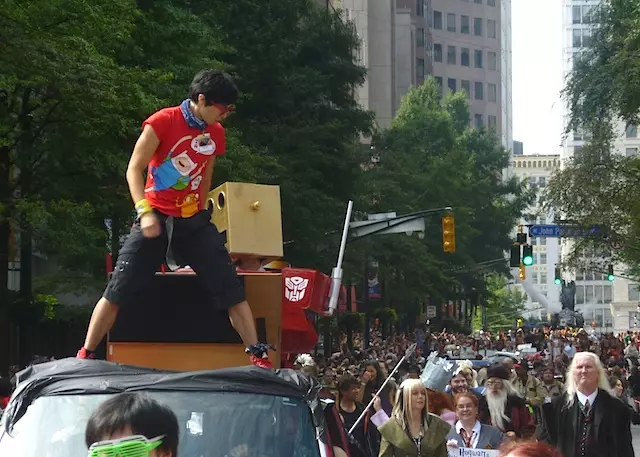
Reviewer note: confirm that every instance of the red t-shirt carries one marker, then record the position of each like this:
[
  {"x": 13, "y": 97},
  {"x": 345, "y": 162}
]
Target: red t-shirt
[{"x": 176, "y": 168}]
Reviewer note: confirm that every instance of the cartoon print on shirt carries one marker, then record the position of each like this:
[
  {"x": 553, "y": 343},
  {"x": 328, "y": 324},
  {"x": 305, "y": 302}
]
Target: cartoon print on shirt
[
  {"x": 204, "y": 144},
  {"x": 173, "y": 173},
  {"x": 189, "y": 206}
]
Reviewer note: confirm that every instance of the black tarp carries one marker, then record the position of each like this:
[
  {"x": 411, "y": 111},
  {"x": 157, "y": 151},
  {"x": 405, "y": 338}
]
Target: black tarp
[{"x": 77, "y": 377}]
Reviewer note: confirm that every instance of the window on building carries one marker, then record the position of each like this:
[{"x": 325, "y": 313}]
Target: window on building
[
  {"x": 465, "y": 85},
  {"x": 579, "y": 295},
  {"x": 631, "y": 152},
  {"x": 437, "y": 52},
  {"x": 608, "y": 318},
  {"x": 420, "y": 8},
  {"x": 542, "y": 181},
  {"x": 479, "y": 91},
  {"x": 607, "y": 293},
  {"x": 534, "y": 278},
  {"x": 576, "y": 14},
  {"x": 493, "y": 122},
  {"x": 634, "y": 293},
  {"x": 492, "y": 57},
  {"x": 420, "y": 69},
  {"x": 451, "y": 22},
  {"x": 632, "y": 131},
  {"x": 493, "y": 92},
  {"x": 543, "y": 241},
  {"x": 464, "y": 57},
  {"x": 479, "y": 120},
  {"x": 420, "y": 37},
  {"x": 543, "y": 278},
  {"x": 477, "y": 58},
  {"x": 451, "y": 55},
  {"x": 491, "y": 28},
  {"x": 464, "y": 25},
  {"x": 451, "y": 84},
  {"x": 477, "y": 26},
  {"x": 543, "y": 258},
  {"x": 477, "y": 1},
  {"x": 437, "y": 20},
  {"x": 491, "y": 2},
  {"x": 576, "y": 151}
]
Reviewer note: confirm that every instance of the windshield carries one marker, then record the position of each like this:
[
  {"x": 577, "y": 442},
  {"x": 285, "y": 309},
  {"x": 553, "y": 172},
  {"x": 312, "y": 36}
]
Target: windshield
[{"x": 212, "y": 424}]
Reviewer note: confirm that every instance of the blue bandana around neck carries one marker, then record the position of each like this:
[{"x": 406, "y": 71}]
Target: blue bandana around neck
[{"x": 190, "y": 118}]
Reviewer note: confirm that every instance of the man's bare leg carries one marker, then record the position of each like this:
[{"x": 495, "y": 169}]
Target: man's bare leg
[
  {"x": 103, "y": 317},
  {"x": 242, "y": 320}
]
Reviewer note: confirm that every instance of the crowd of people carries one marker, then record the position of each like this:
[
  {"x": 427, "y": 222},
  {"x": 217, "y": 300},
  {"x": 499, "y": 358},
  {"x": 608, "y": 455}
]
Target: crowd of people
[{"x": 537, "y": 386}]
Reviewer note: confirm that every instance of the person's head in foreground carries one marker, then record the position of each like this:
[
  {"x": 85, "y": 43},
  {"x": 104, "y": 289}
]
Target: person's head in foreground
[
  {"x": 529, "y": 449},
  {"x": 132, "y": 425}
]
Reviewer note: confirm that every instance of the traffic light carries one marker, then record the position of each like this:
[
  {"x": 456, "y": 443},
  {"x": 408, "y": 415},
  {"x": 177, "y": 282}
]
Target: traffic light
[
  {"x": 527, "y": 255},
  {"x": 610, "y": 275},
  {"x": 514, "y": 260},
  {"x": 558, "y": 278},
  {"x": 448, "y": 234},
  {"x": 523, "y": 272},
  {"x": 521, "y": 238}
]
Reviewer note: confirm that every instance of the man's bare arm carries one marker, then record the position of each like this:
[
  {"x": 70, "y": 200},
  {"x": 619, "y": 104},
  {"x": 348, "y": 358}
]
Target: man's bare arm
[{"x": 143, "y": 151}]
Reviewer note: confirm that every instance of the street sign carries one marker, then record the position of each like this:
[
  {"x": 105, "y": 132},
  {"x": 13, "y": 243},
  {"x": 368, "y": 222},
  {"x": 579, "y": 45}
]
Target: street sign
[
  {"x": 564, "y": 231},
  {"x": 431, "y": 311}
]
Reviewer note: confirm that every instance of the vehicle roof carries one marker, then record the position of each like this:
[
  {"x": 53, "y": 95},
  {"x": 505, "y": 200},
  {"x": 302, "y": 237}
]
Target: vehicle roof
[{"x": 73, "y": 376}]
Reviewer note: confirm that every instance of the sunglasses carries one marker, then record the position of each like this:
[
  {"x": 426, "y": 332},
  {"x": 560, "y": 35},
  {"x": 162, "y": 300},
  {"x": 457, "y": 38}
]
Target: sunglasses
[
  {"x": 130, "y": 446},
  {"x": 225, "y": 110}
]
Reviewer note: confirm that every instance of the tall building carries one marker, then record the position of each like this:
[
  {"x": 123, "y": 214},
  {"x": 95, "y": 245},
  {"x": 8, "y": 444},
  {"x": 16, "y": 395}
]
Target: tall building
[
  {"x": 464, "y": 44},
  {"x": 543, "y": 295},
  {"x": 472, "y": 52},
  {"x": 611, "y": 306}
]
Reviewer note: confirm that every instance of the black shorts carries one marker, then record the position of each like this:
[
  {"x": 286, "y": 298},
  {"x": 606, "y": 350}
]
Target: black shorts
[{"x": 195, "y": 242}]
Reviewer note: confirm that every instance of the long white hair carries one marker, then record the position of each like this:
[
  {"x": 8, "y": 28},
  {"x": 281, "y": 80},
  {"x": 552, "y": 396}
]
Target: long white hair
[{"x": 571, "y": 386}]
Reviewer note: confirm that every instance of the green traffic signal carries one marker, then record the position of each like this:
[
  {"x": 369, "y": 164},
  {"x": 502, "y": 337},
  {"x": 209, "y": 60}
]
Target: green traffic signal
[
  {"x": 527, "y": 255},
  {"x": 557, "y": 281},
  {"x": 610, "y": 275},
  {"x": 558, "y": 278}
]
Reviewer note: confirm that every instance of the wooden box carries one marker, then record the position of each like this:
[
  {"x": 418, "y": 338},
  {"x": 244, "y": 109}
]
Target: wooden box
[
  {"x": 175, "y": 326},
  {"x": 249, "y": 215}
]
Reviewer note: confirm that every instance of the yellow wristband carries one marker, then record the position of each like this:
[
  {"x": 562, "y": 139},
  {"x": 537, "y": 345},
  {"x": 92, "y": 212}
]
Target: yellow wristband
[{"x": 143, "y": 207}]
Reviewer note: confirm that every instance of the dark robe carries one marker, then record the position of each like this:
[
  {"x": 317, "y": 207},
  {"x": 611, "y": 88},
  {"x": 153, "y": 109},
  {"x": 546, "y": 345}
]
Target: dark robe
[{"x": 611, "y": 426}]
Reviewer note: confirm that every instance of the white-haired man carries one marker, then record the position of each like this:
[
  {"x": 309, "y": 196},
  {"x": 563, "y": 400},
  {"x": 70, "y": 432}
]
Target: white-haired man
[
  {"x": 588, "y": 421},
  {"x": 502, "y": 407}
]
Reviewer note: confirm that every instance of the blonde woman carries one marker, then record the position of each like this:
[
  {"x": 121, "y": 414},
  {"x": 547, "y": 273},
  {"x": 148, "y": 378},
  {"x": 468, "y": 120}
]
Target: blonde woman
[{"x": 412, "y": 430}]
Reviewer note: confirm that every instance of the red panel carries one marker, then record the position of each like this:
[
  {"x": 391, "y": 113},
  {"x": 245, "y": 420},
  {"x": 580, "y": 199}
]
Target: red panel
[
  {"x": 298, "y": 333},
  {"x": 307, "y": 289}
]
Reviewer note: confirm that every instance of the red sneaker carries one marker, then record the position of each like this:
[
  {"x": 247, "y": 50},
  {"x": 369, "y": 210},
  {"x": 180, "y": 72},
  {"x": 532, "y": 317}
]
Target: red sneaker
[
  {"x": 262, "y": 362},
  {"x": 85, "y": 354}
]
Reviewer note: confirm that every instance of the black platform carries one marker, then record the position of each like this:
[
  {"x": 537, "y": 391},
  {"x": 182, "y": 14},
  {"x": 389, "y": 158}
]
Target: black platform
[{"x": 176, "y": 309}]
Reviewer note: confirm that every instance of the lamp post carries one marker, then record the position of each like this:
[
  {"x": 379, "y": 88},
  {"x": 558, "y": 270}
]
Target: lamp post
[{"x": 383, "y": 224}]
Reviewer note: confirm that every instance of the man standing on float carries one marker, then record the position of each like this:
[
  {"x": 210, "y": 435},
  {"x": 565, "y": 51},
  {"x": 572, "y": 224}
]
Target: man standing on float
[{"x": 178, "y": 147}]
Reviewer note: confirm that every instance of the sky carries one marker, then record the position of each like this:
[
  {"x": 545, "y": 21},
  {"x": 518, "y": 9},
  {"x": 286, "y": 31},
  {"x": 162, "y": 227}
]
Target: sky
[{"x": 537, "y": 74}]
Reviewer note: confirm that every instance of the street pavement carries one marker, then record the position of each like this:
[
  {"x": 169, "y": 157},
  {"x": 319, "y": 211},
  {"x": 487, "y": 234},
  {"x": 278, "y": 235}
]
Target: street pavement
[{"x": 635, "y": 433}]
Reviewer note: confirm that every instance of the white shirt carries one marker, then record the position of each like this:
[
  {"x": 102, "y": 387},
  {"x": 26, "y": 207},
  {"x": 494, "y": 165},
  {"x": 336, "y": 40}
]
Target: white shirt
[
  {"x": 582, "y": 398},
  {"x": 475, "y": 432}
]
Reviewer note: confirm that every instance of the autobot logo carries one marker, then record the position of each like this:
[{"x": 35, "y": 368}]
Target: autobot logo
[{"x": 295, "y": 288}]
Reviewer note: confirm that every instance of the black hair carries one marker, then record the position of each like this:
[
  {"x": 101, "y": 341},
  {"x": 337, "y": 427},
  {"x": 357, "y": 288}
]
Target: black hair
[
  {"x": 216, "y": 86},
  {"x": 345, "y": 382},
  {"x": 6, "y": 387},
  {"x": 414, "y": 369},
  {"x": 142, "y": 414}
]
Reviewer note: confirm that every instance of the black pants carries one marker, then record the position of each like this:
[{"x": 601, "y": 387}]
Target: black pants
[{"x": 195, "y": 242}]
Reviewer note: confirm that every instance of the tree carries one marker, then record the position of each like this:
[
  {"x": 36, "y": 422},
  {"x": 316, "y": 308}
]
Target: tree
[
  {"x": 504, "y": 305},
  {"x": 600, "y": 186},
  {"x": 295, "y": 66},
  {"x": 430, "y": 158}
]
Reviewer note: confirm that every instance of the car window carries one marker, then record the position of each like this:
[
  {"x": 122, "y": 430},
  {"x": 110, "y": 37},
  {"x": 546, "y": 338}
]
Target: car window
[{"x": 212, "y": 424}]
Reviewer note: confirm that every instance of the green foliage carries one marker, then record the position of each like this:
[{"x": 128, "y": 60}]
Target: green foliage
[
  {"x": 431, "y": 159},
  {"x": 504, "y": 305},
  {"x": 599, "y": 186},
  {"x": 78, "y": 78}
]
